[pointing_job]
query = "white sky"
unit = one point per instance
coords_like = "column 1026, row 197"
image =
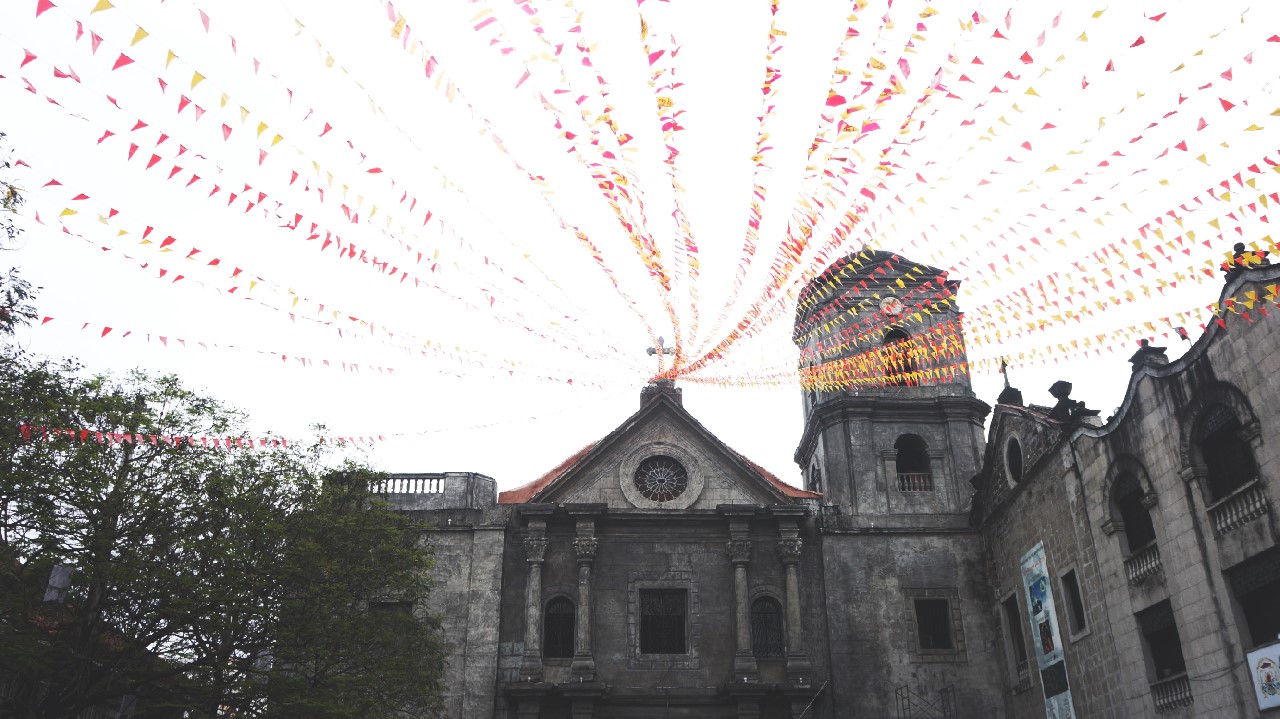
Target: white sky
column 972, row 183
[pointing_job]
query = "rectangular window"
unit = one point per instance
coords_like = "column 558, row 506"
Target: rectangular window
column 662, row 621
column 1015, row 645
column 1075, row 603
column 1256, row 584
column 933, row 624
column 1164, row 646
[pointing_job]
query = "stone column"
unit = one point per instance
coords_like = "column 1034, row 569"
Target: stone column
column 535, row 547
column 799, row 668
column 739, row 549
column 584, row 547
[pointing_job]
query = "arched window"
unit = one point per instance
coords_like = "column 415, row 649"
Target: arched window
column 914, row 474
column 557, row 629
column 1128, row 497
column 897, row 359
column 1227, row 457
column 766, row 627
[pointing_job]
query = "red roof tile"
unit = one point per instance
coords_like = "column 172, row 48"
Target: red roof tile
column 524, row 493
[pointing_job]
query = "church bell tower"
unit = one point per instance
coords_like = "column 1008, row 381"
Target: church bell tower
column 892, row 427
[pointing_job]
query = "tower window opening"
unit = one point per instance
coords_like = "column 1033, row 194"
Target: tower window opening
column 899, row 367
column 914, row 474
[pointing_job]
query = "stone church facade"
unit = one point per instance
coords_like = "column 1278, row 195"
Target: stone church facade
column 1058, row 566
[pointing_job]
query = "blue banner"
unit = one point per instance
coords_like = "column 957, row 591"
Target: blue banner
column 1045, row 635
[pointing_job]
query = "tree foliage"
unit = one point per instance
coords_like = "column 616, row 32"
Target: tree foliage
column 16, row 293
column 199, row 582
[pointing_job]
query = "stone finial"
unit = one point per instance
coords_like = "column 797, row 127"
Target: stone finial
column 1067, row 409
column 535, row 548
column 789, row 548
column 1148, row 356
column 661, row 388
column 1242, row 259
column 739, row 550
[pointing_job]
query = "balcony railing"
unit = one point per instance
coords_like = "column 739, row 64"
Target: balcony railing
column 1246, row 503
column 409, row 485
column 1143, row 564
column 915, row 482
column 1169, row 694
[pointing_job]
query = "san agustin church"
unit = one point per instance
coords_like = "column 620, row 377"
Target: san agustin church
column 1062, row 566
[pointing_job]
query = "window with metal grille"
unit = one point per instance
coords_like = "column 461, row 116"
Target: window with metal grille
column 662, row 621
column 933, row 624
column 1138, row 529
column 557, row 629
column 766, row 628
column 1228, row 458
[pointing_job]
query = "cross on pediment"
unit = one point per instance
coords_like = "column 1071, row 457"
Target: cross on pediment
column 660, row 350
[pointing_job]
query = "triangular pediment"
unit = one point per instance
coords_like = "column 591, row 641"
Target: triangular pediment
column 681, row 465
column 1019, row 443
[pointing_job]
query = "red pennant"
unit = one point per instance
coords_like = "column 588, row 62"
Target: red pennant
column 43, row 5
column 122, row 61
column 29, row 57
column 226, row 132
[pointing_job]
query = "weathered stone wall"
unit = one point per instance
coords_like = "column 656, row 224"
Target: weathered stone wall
column 466, row 533
column 1066, row 501
column 869, row 580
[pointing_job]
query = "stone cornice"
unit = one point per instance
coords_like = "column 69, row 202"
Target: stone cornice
column 875, row 407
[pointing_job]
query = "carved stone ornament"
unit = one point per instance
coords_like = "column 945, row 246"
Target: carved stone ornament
column 585, row 548
column 535, row 548
column 789, row 548
column 739, row 550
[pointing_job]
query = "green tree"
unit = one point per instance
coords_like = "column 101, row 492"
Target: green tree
column 15, row 293
column 143, row 568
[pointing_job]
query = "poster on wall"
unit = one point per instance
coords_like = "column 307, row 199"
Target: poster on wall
column 1264, row 667
column 1045, row 635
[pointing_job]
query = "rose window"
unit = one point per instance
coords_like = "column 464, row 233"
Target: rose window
column 661, row 479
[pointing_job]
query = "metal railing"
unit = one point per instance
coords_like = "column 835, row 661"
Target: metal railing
column 409, row 485
column 1244, row 504
column 914, row 706
column 915, row 482
column 1169, row 694
column 1024, row 676
column 1143, row 564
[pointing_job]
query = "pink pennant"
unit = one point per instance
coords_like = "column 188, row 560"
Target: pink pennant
column 29, row 57
column 42, row 6
column 122, row 61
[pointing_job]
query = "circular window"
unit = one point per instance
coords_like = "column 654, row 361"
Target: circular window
column 661, row 479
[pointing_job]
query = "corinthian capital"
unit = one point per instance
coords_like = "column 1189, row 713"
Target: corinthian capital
column 585, row 548
column 789, row 549
column 739, row 550
column 535, row 548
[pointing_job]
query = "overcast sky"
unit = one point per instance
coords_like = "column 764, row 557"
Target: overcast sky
column 1019, row 139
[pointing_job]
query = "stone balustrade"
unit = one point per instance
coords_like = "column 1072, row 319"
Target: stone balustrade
column 1172, row 693
column 1246, row 503
column 915, row 482
column 409, row 485
column 1143, row 564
